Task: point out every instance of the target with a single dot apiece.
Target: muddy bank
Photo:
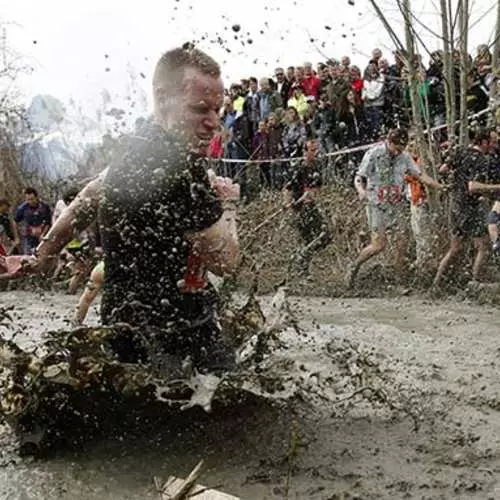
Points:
(269, 252)
(444, 355)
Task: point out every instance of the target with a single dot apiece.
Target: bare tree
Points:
(420, 119)
(448, 69)
(11, 117)
(464, 69)
(495, 87)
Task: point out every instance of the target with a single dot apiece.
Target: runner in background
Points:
(380, 182)
(471, 180)
(300, 193)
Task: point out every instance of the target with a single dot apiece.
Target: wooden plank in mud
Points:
(197, 492)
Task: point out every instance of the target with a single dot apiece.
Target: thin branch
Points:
(492, 44)
(455, 20)
(482, 16)
(387, 26)
(436, 8)
(423, 25)
(412, 28)
(313, 43)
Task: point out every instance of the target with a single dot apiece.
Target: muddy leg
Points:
(451, 255)
(481, 245)
(377, 245)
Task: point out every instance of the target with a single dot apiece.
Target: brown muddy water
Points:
(442, 359)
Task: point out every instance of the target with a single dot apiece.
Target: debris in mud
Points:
(181, 489)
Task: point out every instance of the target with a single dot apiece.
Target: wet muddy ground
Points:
(448, 352)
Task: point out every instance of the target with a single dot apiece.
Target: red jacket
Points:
(311, 85)
(215, 148)
(357, 87)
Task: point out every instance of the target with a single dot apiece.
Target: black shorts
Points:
(204, 344)
(469, 222)
(310, 222)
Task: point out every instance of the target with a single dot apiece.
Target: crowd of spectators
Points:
(337, 103)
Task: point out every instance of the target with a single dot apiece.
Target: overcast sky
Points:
(79, 48)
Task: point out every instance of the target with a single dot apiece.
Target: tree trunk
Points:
(413, 78)
(447, 67)
(464, 70)
(495, 86)
(448, 23)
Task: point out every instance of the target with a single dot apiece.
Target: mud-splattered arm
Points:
(79, 215)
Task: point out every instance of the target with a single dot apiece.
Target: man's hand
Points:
(430, 181)
(444, 169)
(15, 266)
(225, 188)
(362, 194)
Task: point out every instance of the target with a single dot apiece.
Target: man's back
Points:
(467, 164)
(150, 199)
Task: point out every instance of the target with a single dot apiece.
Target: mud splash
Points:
(74, 375)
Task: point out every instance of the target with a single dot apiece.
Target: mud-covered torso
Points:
(467, 165)
(151, 197)
(304, 177)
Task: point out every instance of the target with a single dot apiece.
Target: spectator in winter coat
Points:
(324, 78)
(283, 85)
(268, 100)
(275, 133)
(356, 82)
(294, 134)
(339, 85)
(238, 99)
(260, 152)
(298, 101)
(350, 121)
(324, 125)
(275, 149)
(311, 82)
(436, 96)
(373, 98)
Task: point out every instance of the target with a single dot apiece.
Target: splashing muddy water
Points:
(365, 374)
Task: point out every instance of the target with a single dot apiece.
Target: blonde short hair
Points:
(170, 69)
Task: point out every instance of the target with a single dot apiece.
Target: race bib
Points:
(194, 278)
(389, 194)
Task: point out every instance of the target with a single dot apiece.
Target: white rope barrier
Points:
(345, 151)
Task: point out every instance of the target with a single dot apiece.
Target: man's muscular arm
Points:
(218, 245)
(81, 212)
